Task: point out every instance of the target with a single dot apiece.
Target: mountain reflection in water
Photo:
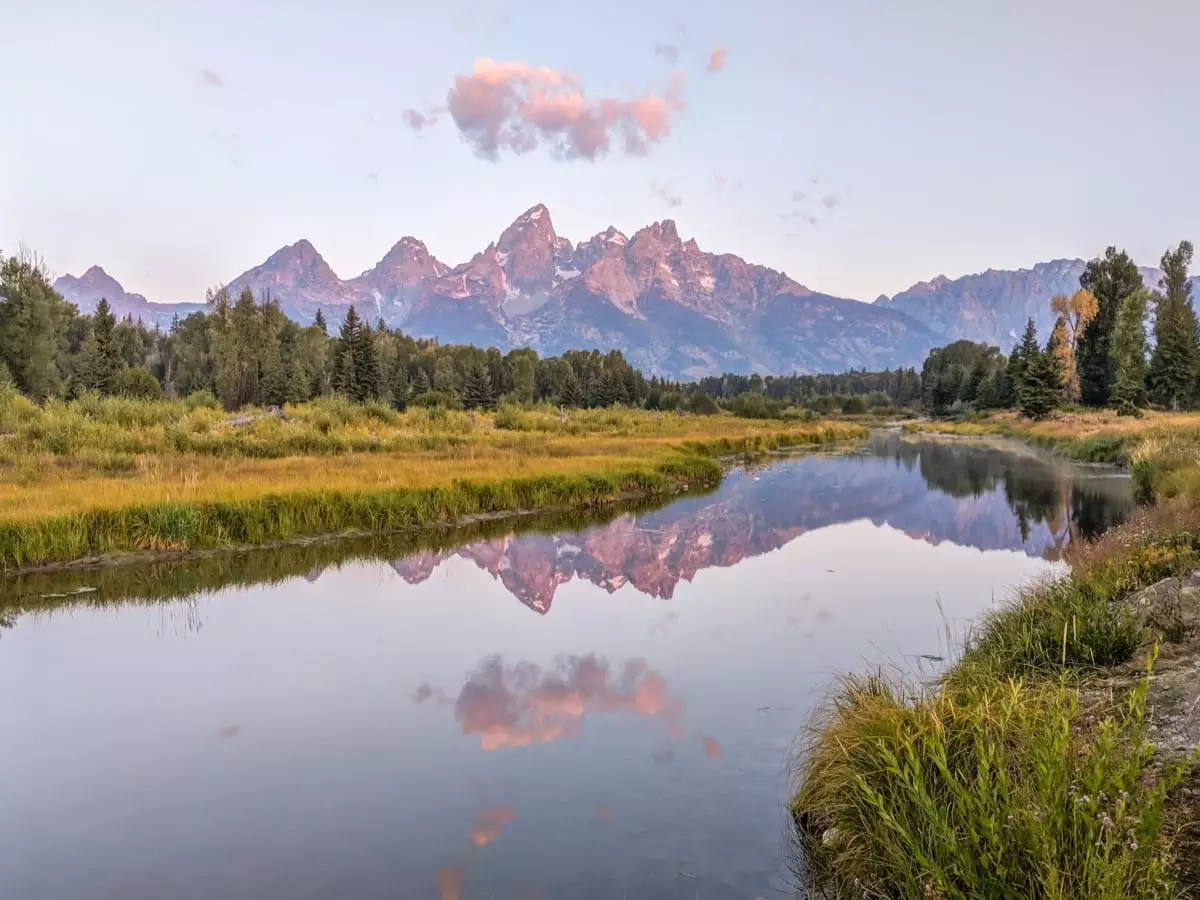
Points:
(985, 497)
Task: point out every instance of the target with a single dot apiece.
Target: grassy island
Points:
(99, 476)
(1056, 757)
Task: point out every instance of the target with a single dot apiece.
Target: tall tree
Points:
(477, 390)
(444, 377)
(101, 359)
(1111, 279)
(1175, 363)
(33, 325)
(1129, 354)
(368, 375)
(1062, 356)
(1075, 312)
(523, 379)
(420, 384)
(1040, 388)
(319, 322)
(572, 394)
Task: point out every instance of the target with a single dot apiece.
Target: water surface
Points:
(588, 709)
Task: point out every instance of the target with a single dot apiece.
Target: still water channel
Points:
(600, 709)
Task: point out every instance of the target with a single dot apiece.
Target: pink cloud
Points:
(518, 107)
(712, 749)
(521, 705)
(716, 60)
(211, 78)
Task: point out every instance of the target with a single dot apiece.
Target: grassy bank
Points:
(1029, 769)
(106, 476)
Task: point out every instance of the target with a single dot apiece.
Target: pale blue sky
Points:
(957, 135)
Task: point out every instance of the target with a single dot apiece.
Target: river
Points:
(601, 709)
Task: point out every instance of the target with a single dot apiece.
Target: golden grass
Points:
(187, 477)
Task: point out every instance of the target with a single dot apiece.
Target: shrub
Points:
(201, 399)
(136, 383)
(703, 405)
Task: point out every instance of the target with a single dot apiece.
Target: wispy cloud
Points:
(720, 182)
(490, 822)
(832, 201)
(211, 78)
(669, 52)
(716, 60)
(417, 120)
(712, 749)
(799, 196)
(665, 195)
(519, 107)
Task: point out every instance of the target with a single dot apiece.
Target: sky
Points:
(860, 146)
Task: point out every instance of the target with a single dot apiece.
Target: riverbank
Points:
(98, 477)
(1046, 762)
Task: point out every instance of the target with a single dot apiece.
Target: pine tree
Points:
(368, 375)
(398, 385)
(33, 326)
(1129, 355)
(1022, 354)
(319, 322)
(1039, 387)
(1175, 362)
(572, 394)
(1111, 279)
(101, 356)
(477, 391)
(344, 374)
(421, 384)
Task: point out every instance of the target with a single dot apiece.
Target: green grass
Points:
(275, 517)
(992, 782)
(1001, 792)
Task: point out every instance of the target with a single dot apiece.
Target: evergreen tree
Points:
(368, 375)
(1111, 279)
(1175, 362)
(101, 358)
(1129, 354)
(1023, 353)
(398, 385)
(319, 322)
(421, 384)
(572, 394)
(477, 391)
(1039, 388)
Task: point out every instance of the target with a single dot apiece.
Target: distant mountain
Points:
(673, 309)
(993, 306)
(87, 290)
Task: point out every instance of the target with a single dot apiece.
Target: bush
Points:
(703, 405)
(854, 406)
(136, 383)
(202, 399)
(437, 399)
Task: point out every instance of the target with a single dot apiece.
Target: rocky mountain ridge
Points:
(672, 308)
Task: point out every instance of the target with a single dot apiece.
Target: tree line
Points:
(1098, 352)
(244, 350)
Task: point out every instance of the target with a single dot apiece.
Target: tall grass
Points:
(104, 475)
(991, 782)
(1006, 792)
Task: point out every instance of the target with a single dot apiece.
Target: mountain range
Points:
(672, 308)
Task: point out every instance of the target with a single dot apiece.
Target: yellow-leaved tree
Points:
(1074, 313)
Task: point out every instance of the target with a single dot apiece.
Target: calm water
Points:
(603, 710)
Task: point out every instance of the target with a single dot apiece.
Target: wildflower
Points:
(1133, 845)
(1106, 822)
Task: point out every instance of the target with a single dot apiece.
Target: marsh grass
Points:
(104, 475)
(1003, 791)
